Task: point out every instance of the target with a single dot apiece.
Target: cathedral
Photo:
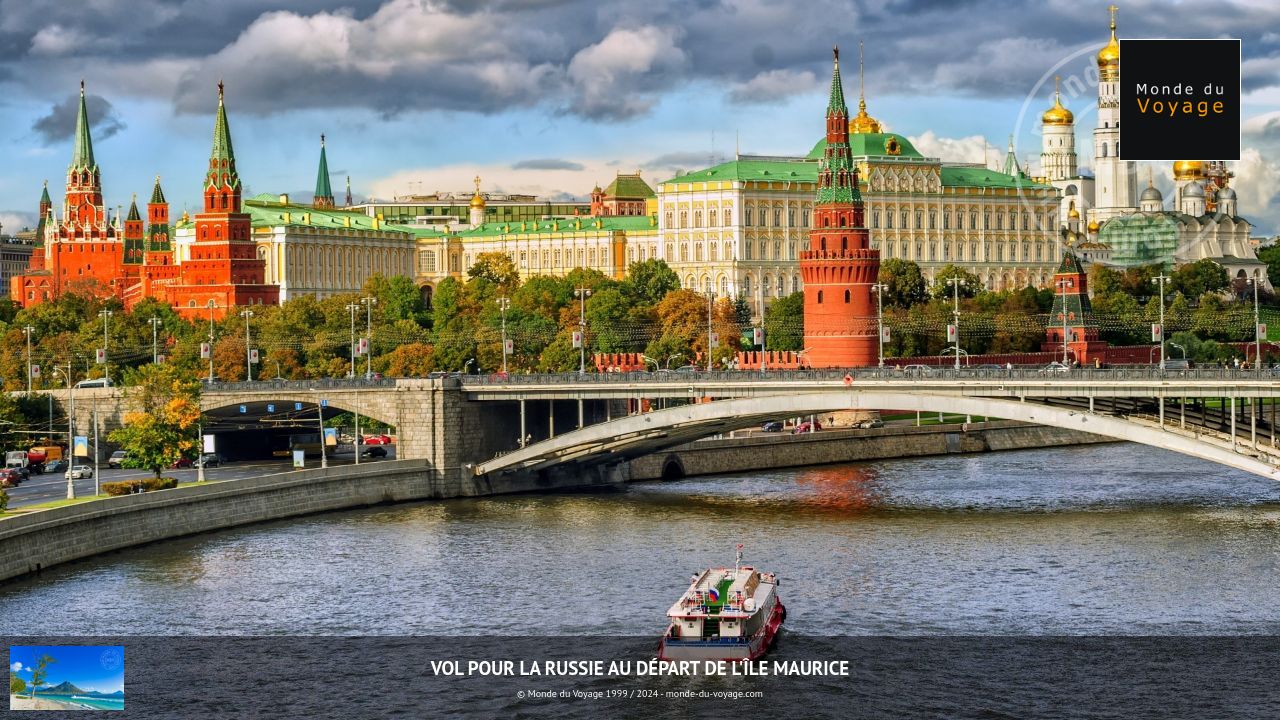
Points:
(83, 250)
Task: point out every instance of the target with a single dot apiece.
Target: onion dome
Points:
(1188, 169)
(1074, 214)
(1193, 189)
(1109, 55)
(1226, 193)
(1058, 114)
(1093, 226)
(1152, 193)
(477, 200)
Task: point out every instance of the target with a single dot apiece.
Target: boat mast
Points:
(737, 561)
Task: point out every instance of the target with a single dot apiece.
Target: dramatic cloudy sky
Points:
(551, 96)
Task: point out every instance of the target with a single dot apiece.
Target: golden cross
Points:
(1113, 10)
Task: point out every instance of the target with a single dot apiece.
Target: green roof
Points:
(835, 102)
(82, 156)
(266, 211)
(322, 176)
(44, 194)
(133, 210)
(983, 177)
(870, 145)
(588, 223)
(629, 186)
(758, 170)
(157, 195)
(222, 149)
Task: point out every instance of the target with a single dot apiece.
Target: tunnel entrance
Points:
(672, 468)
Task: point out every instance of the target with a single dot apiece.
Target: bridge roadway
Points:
(1124, 404)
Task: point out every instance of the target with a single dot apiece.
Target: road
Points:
(43, 488)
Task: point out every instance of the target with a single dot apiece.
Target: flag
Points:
(714, 594)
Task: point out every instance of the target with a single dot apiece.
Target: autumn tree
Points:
(498, 268)
(904, 285)
(160, 432)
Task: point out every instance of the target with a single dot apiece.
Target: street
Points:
(44, 488)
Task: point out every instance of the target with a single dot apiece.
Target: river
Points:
(1095, 540)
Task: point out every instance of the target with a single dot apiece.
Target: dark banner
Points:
(576, 677)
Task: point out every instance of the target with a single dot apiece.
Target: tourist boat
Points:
(728, 613)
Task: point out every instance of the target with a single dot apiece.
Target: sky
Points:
(91, 668)
(550, 97)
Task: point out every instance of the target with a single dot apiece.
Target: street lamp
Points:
(27, 331)
(956, 283)
(711, 335)
(352, 308)
(155, 345)
(466, 366)
(1161, 279)
(106, 368)
(248, 354)
(1063, 285)
(503, 304)
(880, 288)
(368, 303)
(582, 294)
(1182, 349)
(1257, 328)
(71, 429)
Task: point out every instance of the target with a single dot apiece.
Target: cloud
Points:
(11, 221)
(60, 123)
(773, 86)
(1257, 183)
(610, 78)
(547, 164)
(958, 150)
(686, 159)
(1266, 125)
(15, 666)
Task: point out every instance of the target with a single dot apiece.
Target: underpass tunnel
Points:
(272, 429)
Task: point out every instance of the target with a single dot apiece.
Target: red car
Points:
(10, 477)
(182, 463)
(377, 440)
(804, 427)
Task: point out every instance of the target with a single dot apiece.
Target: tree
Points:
(649, 281)
(1271, 256)
(498, 268)
(40, 673)
(970, 287)
(16, 684)
(410, 360)
(742, 310)
(784, 323)
(905, 284)
(1105, 280)
(1200, 277)
(160, 434)
(398, 299)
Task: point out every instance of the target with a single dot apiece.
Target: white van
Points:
(95, 383)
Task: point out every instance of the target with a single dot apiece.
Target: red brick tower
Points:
(46, 207)
(223, 266)
(839, 267)
(134, 232)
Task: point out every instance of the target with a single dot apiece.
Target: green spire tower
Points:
(323, 197)
(157, 221)
(82, 156)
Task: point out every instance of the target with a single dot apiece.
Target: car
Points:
(917, 370)
(772, 426)
(688, 369)
(117, 459)
(10, 477)
(990, 366)
(374, 451)
(1055, 367)
(1177, 364)
(212, 459)
(79, 472)
(378, 439)
(805, 427)
(55, 466)
(871, 423)
(95, 383)
(181, 463)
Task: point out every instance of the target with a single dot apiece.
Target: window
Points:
(777, 250)
(999, 221)
(875, 219)
(746, 218)
(782, 285)
(764, 213)
(986, 220)
(746, 250)
(888, 220)
(805, 215)
(724, 286)
(791, 250)
(973, 220)
(819, 297)
(919, 219)
(712, 252)
(711, 218)
(933, 219)
(728, 216)
(684, 252)
(667, 223)
(791, 217)
(697, 252)
(684, 218)
(1026, 221)
(904, 219)
(946, 219)
(777, 217)
(697, 218)
(973, 252)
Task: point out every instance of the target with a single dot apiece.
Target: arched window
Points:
(711, 218)
(847, 295)
(697, 218)
(904, 219)
(875, 219)
(933, 219)
(684, 218)
(746, 218)
(919, 219)
(819, 297)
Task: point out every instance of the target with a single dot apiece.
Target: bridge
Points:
(570, 424)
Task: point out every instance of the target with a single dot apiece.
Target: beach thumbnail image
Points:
(66, 677)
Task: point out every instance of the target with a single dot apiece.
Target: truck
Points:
(38, 456)
(16, 459)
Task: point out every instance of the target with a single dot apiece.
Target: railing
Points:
(300, 385)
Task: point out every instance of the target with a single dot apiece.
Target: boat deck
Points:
(724, 592)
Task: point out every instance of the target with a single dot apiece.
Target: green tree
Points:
(1271, 256)
(16, 684)
(498, 268)
(161, 432)
(607, 315)
(1200, 277)
(398, 299)
(971, 284)
(905, 285)
(1104, 280)
(40, 673)
(784, 323)
(649, 281)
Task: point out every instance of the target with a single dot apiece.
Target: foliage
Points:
(162, 433)
(4, 500)
(970, 284)
(411, 360)
(904, 283)
(40, 672)
(1200, 350)
(784, 323)
(649, 281)
(1271, 256)
(131, 487)
(1195, 279)
(16, 684)
(496, 268)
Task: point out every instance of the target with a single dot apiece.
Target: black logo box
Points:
(1186, 65)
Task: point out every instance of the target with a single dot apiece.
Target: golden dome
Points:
(862, 123)
(1188, 169)
(1109, 56)
(1093, 226)
(477, 200)
(1058, 114)
(1074, 214)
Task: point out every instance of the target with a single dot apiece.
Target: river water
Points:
(1096, 540)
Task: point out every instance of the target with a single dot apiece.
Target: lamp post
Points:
(106, 367)
(582, 294)
(1161, 279)
(71, 429)
(248, 354)
(1062, 286)
(212, 305)
(368, 303)
(880, 288)
(956, 284)
(155, 344)
(1180, 349)
(503, 304)
(27, 331)
(1257, 329)
(352, 308)
(711, 335)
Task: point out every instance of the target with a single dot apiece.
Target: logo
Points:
(1179, 96)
